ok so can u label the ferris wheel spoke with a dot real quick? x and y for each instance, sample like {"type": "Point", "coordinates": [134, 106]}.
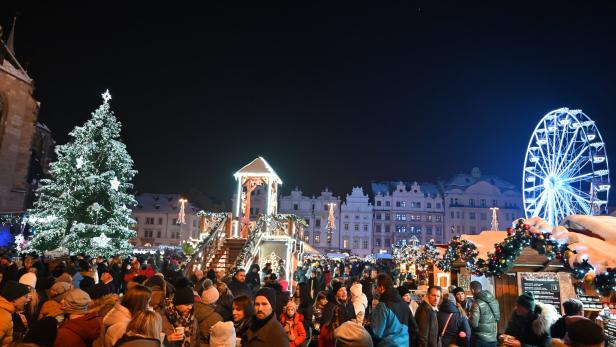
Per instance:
{"type": "Point", "coordinates": [539, 204]}
{"type": "Point", "coordinates": [564, 204]}
{"type": "Point", "coordinates": [560, 143]}
{"type": "Point", "coordinates": [578, 178]}
{"type": "Point", "coordinates": [571, 142]}
{"type": "Point", "coordinates": [577, 157]}
{"type": "Point", "coordinates": [576, 169]}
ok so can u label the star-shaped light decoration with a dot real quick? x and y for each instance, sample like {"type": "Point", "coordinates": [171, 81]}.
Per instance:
{"type": "Point", "coordinates": [115, 184]}
{"type": "Point", "coordinates": [101, 241]}
{"type": "Point", "coordinates": [79, 162]}
{"type": "Point", "coordinates": [106, 96]}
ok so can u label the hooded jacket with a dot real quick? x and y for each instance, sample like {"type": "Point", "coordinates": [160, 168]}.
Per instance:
{"type": "Point", "coordinates": [295, 324]}
{"type": "Point", "coordinates": [6, 322]}
{"type": "Point", "coordinates": [390, 320]}
{"type": "Point", "coordinates": [456, 324]}
{"type": "Point", "coordinates": [114, 324]}
{"type": "Point", "coordinates": [78, 332]}
{"type": "Point", "coordinates": [534, 328]}
{"type": "Point", "coordinates": [206, 317]}
{"type": "Point", "coordinates": [359, 300]}
{"type": "Point", "coordinates": [484, 317]}
{"type": "Point", "coordinates": [428, 325]}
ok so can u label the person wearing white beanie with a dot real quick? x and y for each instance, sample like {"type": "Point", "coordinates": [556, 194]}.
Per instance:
{"type": "Point", "coordinates": [205, 313]}
{"type": "Point", "coordinates": [32, 308]}
{"type": "Point", "coordinates": [29, 279]}
{"type": "Point", "coordinates": [222, 335]}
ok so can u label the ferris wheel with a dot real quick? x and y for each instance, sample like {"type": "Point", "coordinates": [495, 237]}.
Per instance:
{"type": "Point", "coordinates": [566, 168]}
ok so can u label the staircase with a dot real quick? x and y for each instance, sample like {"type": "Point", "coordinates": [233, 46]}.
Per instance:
{"type": "Point", "coordinates": [225, 257]}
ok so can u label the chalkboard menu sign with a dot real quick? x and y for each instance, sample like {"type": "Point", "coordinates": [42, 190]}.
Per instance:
{"type": "Point", "coordinates": [545, 287]}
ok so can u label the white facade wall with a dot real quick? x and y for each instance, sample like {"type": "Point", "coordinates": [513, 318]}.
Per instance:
{"type": "Point", "coordinates": [157, 216]}
{"type": "Point", "coordinates": [406, 212]}
{"type": "Point", "coordinates": [356, 226]}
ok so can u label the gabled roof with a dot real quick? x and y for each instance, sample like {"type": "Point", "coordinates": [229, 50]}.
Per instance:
{"type": "Point", "coordinates": [387, 187]}
{"type": "Point", "coordinates": [258, 168]}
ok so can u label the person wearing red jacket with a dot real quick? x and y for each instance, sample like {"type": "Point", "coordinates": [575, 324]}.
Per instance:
{"type": "Point", "coordinates": [293, 324]}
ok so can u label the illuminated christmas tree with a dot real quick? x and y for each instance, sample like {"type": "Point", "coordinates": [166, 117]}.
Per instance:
{"type": "Point", "coordinates": [84, 207]}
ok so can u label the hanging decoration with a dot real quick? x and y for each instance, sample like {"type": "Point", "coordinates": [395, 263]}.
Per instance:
{"type": "Point", "coordinates": [182, 213]}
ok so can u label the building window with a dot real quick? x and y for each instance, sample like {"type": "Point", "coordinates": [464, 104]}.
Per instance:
{"type": "Point", "coordinates": [306, 238]}
{"type": "Point", "coordinates": [400, 216]}
{"type": "Point", "coordinates": [418, 218]}
{"type": "Point", "coordinates": [317, 238]}
{"type": "Point", "coordinates": [452, 215]}
{"type": "Point", "coordinates": [386, 228]}
{"type": "Point", "coordinates": [295, 207]}
{"type": "Point", "coordinates": [147, 233]}
{"type": "Point", "coordinates": [355, 244]}
{"type": "Point", "coordinates": [356, 227]}
{"type": "Point", "coordinates": [401, 228]}
{"type": "Point", "coordinates": [483, 202]}
{"type": "Point", "coordinates": [325, 207]}
{"type": "Point", "coordinates": [438, 205]}
{"type": "Point", "coordinates": [397, 203]}
{"type": "Point", "coordinates": [429, 218]}
{"type": "Point", "coordinates": [345, 243]}
{"type": "Point", "coordinates": [378, 202]}
{"type": "Point", "coordinates": [483, 216]}
{"type": "Point", "coordinates": [378, 228]}
{"type": "Point", "coordinates": [438, 218]}
{"type": "Point", "coordinates": [377, 242]}
{"type": "Point", "coordinates": [346, 216]}
{"type": "Point", "coordinates": [378, 216]}
{"type": "Point", "coordinates": [356, 216]}
{"type": "Point", "coordinates": [365, 244]}
{"type": "Point", "coordinates": [418, 204]}
{"type": "Point", "coordinates": [174, 221]}
{"type": "Point", "coordinates": [307, 221]}
{"type": "Point", "coordinates": [158, 234]}
{"type": "Point", "coordinates": [471, 215]}
{"type": "Point", "coordinates": [365, 227]}
{"type": "Point", "coordinates": [494, 203]}
{"type": "Point", "coordinates": [428, 230]}
{"type": "Point", "coordinates": [317, 222]}
{"type": "Point", "coordinates": [387, 243]}
{"type": "Point", "coordinates": [428, 205]}
{"type": "Point", "coordinates": [387, 204]}
{"type": "Point", "coordinates": [438, 230]}
{"type": "Point", "coordinates": [160, 221]}
{"type": "Point", "coordinates": [149, 220]}
{"type": "Point", "coordinates": [386, 216]}
{"type": "Point", "coordinates": [471, 202]}
{"type": "Point", "coordinates": [346, 226]}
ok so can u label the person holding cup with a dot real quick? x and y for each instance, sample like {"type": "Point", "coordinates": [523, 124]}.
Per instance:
{"type": "Point", "coordinates": [179, 323]}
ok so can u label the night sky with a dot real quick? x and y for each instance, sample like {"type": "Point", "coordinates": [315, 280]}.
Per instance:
{"type": "Point", "coordinates": [331, 93]}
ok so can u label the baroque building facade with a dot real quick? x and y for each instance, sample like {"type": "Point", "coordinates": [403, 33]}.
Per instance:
{"type": "Point", "coordinates": [356, 223]}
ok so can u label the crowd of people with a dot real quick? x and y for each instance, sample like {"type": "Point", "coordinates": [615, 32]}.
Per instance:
{"type": "Point", "coordinates": [148, 301]}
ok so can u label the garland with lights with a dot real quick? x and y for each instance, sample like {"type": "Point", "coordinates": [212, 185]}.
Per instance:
{"type": "Point", "coordinates": [421, 256]}
{"type": "Point", "coordinates": [459, 250]}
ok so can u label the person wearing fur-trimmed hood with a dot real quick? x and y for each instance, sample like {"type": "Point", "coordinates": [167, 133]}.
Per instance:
{"type": "Point", "coordinates": [530, 322]}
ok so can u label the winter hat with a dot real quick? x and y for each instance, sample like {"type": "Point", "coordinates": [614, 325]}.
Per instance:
{"type": "Point", "coordinates": [14, 290]}
{"type": "Point", "coordinates": [59, 290]}
{"type": "Point", "coordinates": [222, 335]}
{"type": "Point", "coordinates": [43, 332]}
{"type": "Point", "coordinates": [140, 279]}
{"type": "Point", "coordinates": [183, 296]}
{"type": "Point", "coordinates": [336, 285]}
{"type": "Point", "coordinates": [98, 291]}
{"type": "Point", "coordinates": [409, 276]}
{"type": "Point", "coordinates": [76, 301]}
{"type": "Point", "coordinates": [402, 290]}
{"type": "Point", "coordinates": [210, 294]}
{"type": "Point", "coordinates": [269, 294]}
{"type": "Point", "coordinates": [352, 334]}
{"type": "Point", "coordinates": [65, 277]}
{"type": "Point", "coordinates": [356, 289]}
{"type": "Point", "coordinates": [86, 282]}
{"type": "Point", "coordinates": [106, 277]}
{"type": "Point", "coordinates": [585, 332]}
{"type": "Point", "coordinates": [29, 279]}
{"type": "Point", "coordinates": [155, 281]}
{"type": "Point", "coordinates": [527, 300]}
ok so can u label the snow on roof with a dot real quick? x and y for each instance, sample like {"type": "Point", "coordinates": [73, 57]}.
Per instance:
{"type": "Point", "coordinates": [161, 203]}
{"type": "Point", "coordinates": [385, 187]}
{"type": "Point", "coordinates": [258, 168]}
{"type": "Point", "coordinates": [485, 241]}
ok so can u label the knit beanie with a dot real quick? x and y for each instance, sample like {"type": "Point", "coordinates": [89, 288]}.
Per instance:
{"type": "Point", "coordinates": [527, 300]}
{"type": "Point", "coordinates": [402, 290]}
{"type": "Point", "coordinates": [409, 276]}
{"type": "Point", "coordinates": [585, 332]}
{"type": "Point", "coordinates": [29, 279]}
{"type": "Point", "coordinates": [210, 294]}
{"type": "Point", "coordinates": [76, 301]}
{"type": "Point", "coordinates": [43, 332]}
{"type": "Point", "coordinates": [59, 290]}
{"type": "Point", "coordinates": [222, 335]}
{"type": "Point", "coordinates": [98, 290]}
{"type": "Point", "coordinates": [352, 334]}
{"type": "Point", "coordinates": [458, 290]}
{"type": "Point", "coordinates": [65, 277]}
{"type": "Point", "coordinates": [269, 294]}
{"type": "Point", "coordinates": [14, 290]}
{"type": "Point", "coordinates": [183, 296]}
{"type": "Point", "coordinates": [336, 285]}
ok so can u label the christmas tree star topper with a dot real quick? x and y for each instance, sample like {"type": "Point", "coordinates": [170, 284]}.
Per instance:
{"type": "Point", "coordinates": [106, 96]}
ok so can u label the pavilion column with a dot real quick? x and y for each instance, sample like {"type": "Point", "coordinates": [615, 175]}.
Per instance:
{"type": "Point", "coordinates": [238, 209]}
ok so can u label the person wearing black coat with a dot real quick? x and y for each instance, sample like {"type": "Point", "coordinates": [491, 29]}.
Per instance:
{"type": "Point", "coordinates": [448, 311]}
{"type": "Point", "coordinates": [238, 285]}
{"type": "Point", "coordinates": [252, 277]}
{"type": "Point", "coordinates": [337, 297]}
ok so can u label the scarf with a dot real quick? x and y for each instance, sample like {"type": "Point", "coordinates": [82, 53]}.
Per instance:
{"type": "Point", "coordinates": [177, 319]}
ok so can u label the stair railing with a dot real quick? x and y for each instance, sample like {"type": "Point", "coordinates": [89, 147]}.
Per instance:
{"type": "Point", "coordinates": [206, 249]}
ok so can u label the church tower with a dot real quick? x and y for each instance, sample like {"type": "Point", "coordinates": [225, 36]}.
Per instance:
{"type": "Point", "coordinates": [18, 114]}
